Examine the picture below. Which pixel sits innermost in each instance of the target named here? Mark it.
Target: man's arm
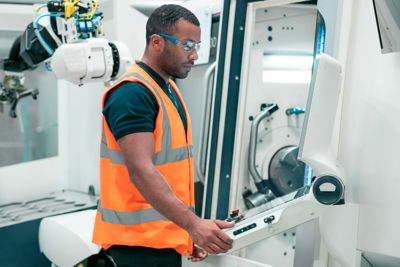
(138, 149)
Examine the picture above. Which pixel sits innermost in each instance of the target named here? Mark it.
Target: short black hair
(164, 18)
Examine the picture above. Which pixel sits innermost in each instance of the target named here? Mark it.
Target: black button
(244, 229)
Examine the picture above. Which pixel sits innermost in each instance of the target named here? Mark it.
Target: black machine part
(329, 190)
(14, 62)
(116, 59)
(286, 172)
(32, 51)
(27, 51)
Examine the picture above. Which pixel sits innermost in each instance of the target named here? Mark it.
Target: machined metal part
(286, 172)
(255, 199)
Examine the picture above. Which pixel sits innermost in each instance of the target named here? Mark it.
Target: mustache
(191, 62)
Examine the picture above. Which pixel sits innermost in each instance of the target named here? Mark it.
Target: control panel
(272, 218)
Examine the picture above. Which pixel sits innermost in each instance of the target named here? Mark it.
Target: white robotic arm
(68, 35)
(73, 37)
(92, 60)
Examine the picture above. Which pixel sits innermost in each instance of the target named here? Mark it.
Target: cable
(39, 36)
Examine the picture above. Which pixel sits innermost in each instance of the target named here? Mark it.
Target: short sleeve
(130, 108)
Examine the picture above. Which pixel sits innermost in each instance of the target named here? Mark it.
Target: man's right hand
(208, 235)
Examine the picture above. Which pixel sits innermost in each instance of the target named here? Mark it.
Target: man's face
(175, 61)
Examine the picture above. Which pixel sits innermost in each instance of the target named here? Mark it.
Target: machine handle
(200, 161)
(266, 112)
(295, 111)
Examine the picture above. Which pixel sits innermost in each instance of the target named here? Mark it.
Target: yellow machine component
(93, 7)
(70, 7)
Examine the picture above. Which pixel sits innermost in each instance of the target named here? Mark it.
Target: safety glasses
(187, 45)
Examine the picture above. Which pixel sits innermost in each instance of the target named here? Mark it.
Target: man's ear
(157, 43)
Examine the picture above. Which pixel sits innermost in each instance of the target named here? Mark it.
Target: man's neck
(155, 67)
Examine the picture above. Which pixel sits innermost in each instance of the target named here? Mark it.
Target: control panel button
(244, 229)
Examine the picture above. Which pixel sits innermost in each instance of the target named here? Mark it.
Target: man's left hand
(198, 254)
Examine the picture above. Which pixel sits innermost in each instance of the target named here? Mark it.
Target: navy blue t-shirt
(132, 108)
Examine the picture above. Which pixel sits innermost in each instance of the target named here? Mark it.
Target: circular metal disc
(286, 172)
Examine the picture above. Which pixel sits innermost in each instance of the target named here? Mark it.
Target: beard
(173, 67)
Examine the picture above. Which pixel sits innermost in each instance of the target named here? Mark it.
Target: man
(145, 215)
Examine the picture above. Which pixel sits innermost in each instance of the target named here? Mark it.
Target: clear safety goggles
(187, 45)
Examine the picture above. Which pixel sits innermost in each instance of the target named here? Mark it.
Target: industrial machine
(276, 215)
(267, 152)
(258, 163)
(327, 188)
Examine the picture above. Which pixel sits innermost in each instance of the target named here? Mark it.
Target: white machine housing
(75, 230)
(316, 138)
(294, 209)
(91, 60)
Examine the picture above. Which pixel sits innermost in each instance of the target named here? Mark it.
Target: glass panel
(33, 133)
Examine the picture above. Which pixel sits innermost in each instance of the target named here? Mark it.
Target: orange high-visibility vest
(124, 217)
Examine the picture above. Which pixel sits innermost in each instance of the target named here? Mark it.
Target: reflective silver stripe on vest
(131, 217)
(115, 156)
(172, 155)
(177, 154)
(191, 151)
